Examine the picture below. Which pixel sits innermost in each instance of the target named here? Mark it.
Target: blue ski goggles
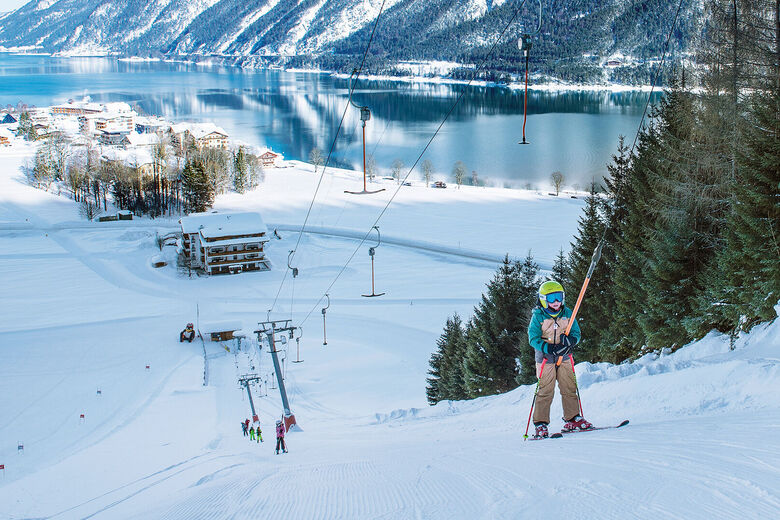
(554, 297)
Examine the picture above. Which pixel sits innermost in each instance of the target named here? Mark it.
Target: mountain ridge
(574, 44)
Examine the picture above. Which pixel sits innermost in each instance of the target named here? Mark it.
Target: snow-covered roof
(136, 139)
(180, 128)
(201, 130)
(133, 158)
(211, 225)
(220, 326)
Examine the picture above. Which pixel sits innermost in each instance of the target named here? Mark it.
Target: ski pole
(593, 261)
(576, 386)
(539, 380)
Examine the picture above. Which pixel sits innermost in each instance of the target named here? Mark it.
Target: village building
(270, 159)
(77, 108)
(151, 125)
(7, 119)
(107, 122)
(224, 243)
(110, 138)
(5, 137)
(204, 135)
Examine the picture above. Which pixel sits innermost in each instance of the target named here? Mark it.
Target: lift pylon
(270, 329)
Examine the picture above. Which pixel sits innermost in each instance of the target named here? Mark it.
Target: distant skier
(252, 433)
(188, 333)
(245, 427)
(546, 334)
(259, 434)
(280, 437)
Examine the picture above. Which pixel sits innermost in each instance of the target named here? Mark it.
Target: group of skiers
(256, 434)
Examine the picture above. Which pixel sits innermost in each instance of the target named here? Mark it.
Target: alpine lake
(571, 131)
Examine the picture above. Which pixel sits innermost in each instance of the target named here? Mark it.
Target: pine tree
(591, 316)
(446, 373)
(560, 269)
(631, 253)
(752, 255)
(492, 346)
(240, 171)
(452, 383)
(198, 191)
(528, 272)
(614, 211)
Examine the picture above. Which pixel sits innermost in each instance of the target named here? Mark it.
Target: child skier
(546, 334)
(252, 433)
(280, 437)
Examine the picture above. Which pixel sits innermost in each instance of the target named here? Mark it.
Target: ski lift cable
(356, 74)
(422, 153)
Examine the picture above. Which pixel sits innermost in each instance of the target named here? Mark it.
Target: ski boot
(576, 424)
(541, 431)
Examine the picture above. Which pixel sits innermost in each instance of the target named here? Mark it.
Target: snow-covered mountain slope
(83, 310)
(336, 30)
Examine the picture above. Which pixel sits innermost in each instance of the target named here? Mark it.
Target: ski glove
(566, 341)
(554, 349)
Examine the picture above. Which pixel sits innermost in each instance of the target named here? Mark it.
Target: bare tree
(60, 151)
(398, 166)
(315, 157)
(427, 169)
(371, 169)
(43, 168)
(459, 173)
(557, 180)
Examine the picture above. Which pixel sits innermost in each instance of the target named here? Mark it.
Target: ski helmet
(278, 422)
(549, 292)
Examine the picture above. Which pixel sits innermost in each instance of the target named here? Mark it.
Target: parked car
(407, 183)
(439, 184)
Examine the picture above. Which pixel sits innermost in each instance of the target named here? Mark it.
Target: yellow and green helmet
(549, 292)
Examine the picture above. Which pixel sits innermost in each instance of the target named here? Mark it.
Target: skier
(188, 333)
(259, 434)
(244, 428)
(546, 334)
(252, 433)
(280, 437)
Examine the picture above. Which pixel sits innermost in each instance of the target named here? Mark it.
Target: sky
(10, 5)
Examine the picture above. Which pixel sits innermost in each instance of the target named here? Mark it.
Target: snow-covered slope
(83, 310)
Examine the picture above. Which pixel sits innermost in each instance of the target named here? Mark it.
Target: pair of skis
(559, 435)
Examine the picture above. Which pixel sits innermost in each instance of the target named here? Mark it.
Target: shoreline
(412, 79)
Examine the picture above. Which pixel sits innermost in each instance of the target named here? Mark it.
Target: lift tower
(271, 329)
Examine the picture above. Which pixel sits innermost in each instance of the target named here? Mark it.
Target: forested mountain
(575, 41)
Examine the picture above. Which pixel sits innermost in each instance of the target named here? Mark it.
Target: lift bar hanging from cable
(524, 43)
(365, 115)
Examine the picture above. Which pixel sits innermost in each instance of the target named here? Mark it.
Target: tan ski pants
(567, 385)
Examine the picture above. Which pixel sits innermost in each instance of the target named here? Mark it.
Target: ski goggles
(554, 297)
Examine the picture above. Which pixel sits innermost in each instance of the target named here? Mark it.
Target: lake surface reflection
(292, 112)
